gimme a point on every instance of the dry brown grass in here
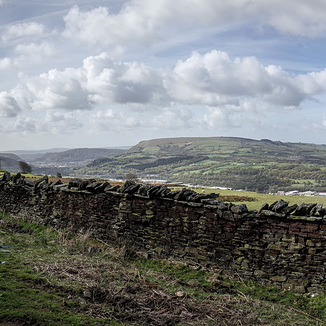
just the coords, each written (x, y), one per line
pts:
(101, 281)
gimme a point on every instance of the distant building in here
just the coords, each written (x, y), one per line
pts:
(292, 193)
(308, 193)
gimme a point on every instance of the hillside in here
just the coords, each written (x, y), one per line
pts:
(239, 163)
(9, 162)
(33, 155)
(50, 162)
(80, 156)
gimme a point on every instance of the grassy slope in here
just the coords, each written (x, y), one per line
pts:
(255, 200)
(51, 278)
(222, 161)
(78, 155)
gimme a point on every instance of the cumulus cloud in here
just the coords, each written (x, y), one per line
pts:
(146, 21)
(226, 86)
(55, 123)
(217, 117)
(61, 123)
(312, 83)
(120, 82)
(22, 97)
(99, 80)
(227, 117)
(99, 26)
(21, 125)
(110, 120)
(215, 79)
(8, 105)
(58, 90)
(33, 53)
(23, 30)
(174, 118)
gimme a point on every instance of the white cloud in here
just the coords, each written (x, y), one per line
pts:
(232, 89)
(5, 63)
(8, 105)
(55, 123)
(24, 29)
(99, 26)
(33, 53)
(58, 90)
(55, 79)
(22, 97)
(147, 22)
(296, 17)
(109, 120)
(61, 123)
(215, 79)
(22, 125)
(312, 83)
(216, 117)
(224, 118)
(99, 80)
(107, 115)
(120, 82)
(174, 118)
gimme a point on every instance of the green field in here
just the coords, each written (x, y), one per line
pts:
(262, 166)
(257, 200)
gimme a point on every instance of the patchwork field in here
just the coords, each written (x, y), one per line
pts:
(255, 165)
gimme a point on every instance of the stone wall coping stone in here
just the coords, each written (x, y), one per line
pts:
(306, 218)
(273, 214)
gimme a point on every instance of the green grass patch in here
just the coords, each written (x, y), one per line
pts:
(50, 277)
(255, 201)
(27, 298)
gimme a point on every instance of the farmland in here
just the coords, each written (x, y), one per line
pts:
(238, 163)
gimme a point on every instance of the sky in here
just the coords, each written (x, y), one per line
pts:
(95, 73)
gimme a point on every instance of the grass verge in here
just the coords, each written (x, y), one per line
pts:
(63, 278)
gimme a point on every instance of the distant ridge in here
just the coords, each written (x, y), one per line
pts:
(9, 161)
(241, 163)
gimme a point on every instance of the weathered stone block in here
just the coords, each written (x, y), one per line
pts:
(278, 278)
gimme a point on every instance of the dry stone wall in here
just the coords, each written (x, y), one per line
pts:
(280, 245)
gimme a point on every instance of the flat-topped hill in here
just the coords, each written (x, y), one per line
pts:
(239, 163)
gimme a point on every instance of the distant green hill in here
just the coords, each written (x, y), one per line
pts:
(257, 165)
(78, 155)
